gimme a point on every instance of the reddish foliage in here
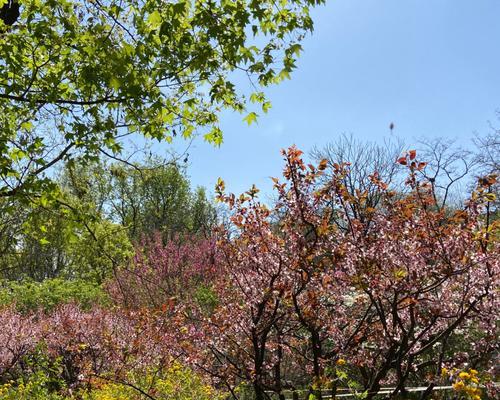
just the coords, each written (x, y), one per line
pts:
(307, 282)
(163, 274)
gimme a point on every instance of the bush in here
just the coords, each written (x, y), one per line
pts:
(37, 387)
(176, 383)
(46, 295)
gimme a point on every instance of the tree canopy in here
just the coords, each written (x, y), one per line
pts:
(77, 77)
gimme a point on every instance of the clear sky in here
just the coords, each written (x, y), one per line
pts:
(431, 67)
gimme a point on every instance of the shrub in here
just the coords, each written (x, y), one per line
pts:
(38, 386)
(171, 272)
(46, 295)
(175, 383)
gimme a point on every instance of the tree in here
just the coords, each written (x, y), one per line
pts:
(101, 208)
(77, 77)
(281, 315)
(487, 159)
(52, 245)
(451, 169)
(488, 145)
(157, 197)
(426, 277)
(363, 158)
(145, 198)
(49, 241)
(176, 272)
(241, 334)
(393, 296)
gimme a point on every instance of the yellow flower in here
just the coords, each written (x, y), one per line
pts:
(458, 385)
(463, 375)
(470, 390)
(473, 372)
(444, 372)
(340, 361)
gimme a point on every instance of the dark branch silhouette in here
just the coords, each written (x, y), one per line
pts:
(10, 12)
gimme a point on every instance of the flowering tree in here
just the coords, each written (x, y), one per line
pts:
(428, 277)
(281, 314)
(307, 283)
(243, 330)
(165, 273)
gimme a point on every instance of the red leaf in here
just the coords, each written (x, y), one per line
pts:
(401, 160)
(323, 164)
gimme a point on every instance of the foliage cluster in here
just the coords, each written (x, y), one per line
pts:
(28, 296)
(175, 383)
(77, 78)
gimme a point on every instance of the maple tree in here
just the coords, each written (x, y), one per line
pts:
(77, 77)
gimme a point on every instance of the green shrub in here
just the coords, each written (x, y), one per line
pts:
(38, 386)
(35, 372)
(176, 383)
(29, 295)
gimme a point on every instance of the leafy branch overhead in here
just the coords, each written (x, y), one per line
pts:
(77, 76)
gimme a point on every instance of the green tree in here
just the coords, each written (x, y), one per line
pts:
(145, 198)
(50, 243)
(76, 76)
(101, 208)
(12, 215)
(157, 197)
(69, 238)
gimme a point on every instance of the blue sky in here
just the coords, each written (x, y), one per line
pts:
(431, 67)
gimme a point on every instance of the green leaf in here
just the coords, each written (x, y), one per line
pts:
(283, 75)
(44, 242)
(214, 136)
(17, 155)
(28, 125)
(154, 20)
(114, 83)
(266, 106)
(251, 118)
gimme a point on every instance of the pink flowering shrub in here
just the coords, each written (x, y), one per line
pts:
(19, 336)
(143, 331)
(165, 273)
(87, 344)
